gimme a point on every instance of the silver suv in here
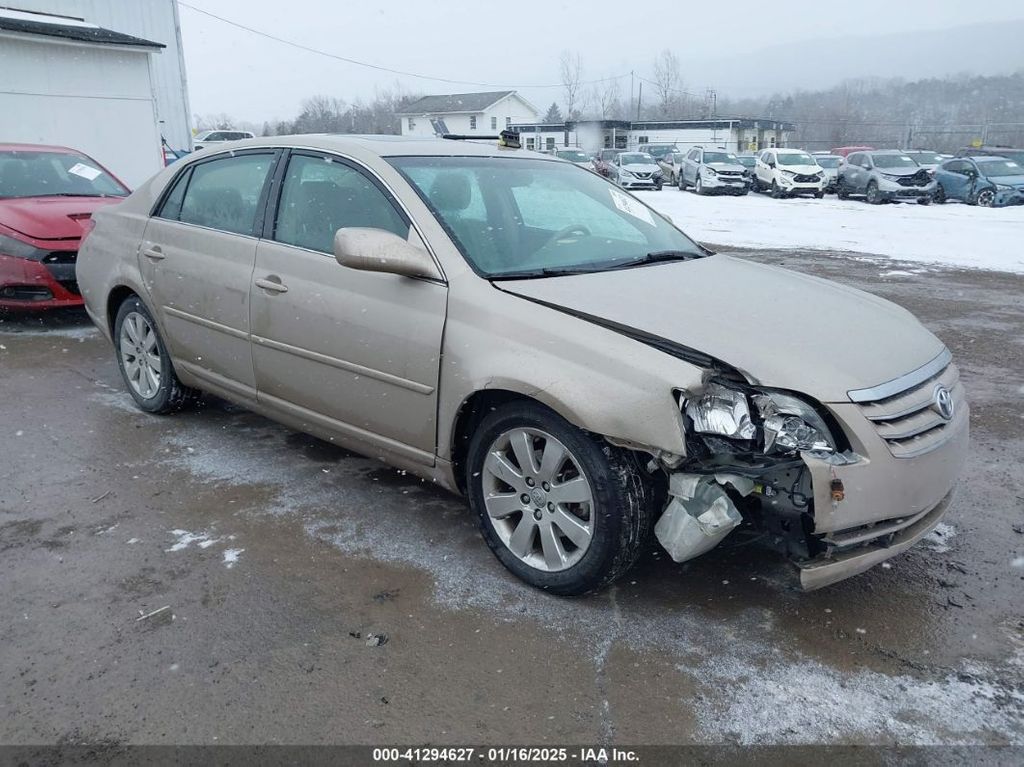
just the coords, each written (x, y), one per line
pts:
(885, 176)
(712, 171)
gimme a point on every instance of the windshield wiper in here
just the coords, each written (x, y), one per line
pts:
(549, 271)
(659, 256)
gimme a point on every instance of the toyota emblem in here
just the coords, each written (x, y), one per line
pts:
(943, 402)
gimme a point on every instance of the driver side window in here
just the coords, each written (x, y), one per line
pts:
(320, 195)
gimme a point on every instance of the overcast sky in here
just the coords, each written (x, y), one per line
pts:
(517, 45)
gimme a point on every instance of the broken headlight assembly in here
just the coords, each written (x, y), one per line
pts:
(779, 423)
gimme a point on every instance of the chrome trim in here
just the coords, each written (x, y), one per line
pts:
(904, 382)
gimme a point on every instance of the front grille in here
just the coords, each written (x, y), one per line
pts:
(731, 173)
(806, 179)
(642, 175)
(909, 421)
(25, 293)
(921, 178)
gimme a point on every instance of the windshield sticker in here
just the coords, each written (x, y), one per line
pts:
(627, 204)
(85, 171)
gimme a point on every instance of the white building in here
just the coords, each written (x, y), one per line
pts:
(739, 134)
(68, 82)
(466, 113)
(155, 20)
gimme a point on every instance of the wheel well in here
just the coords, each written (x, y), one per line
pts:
(114, 300)
(472, 411)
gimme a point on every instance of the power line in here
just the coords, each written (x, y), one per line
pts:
(378, 67)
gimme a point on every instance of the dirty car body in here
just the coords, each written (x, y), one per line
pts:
(519, 330)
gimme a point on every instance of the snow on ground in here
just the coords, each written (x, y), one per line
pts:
(949, 235)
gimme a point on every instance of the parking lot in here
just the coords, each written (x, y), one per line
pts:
(316, 596)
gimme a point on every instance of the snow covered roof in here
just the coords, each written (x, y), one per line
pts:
(454, 103)
(67, 28)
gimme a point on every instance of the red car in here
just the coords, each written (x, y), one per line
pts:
(47, 197)
(844, 151)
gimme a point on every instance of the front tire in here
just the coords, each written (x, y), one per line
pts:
(940, 195)
(144, 362)
(986, 198)
(841, 192)
(873, 196)
(562, 510)
(698, 185)
(776, 192)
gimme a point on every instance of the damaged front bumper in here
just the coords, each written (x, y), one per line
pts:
(834, 514)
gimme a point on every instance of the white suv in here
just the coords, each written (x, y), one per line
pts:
(788, 172)
(208, 137)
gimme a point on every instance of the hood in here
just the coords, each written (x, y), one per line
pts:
(801, 170)
(1014, 181)
(901, 171)
(727, 166)
(780, 328)
(50, 218)
(641, 168)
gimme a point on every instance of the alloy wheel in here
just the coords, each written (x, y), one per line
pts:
(986, 198)
(140, 355)
(539, 501)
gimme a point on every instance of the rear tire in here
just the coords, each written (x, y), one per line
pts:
(619, 514)
(145, 363)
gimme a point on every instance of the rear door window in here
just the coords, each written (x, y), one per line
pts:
(225, 193)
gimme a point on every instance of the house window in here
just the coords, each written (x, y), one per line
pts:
(642, 140)
(508, 122)
(529, 143)
(773, 141)
(412, 124)
(472, 122)
(549, 143)
(494, 123)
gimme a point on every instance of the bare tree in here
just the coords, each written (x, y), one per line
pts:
(667, 80)
(609, 101)
(572, 73)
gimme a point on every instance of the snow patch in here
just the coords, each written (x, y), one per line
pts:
(231, 557)
(950, 235)
(186, 539)
(939, 539)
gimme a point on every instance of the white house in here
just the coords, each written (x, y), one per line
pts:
(68, 82)
(155, 20)
(466, 113)
(738, 134)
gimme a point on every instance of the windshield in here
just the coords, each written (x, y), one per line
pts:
(747, 160)
(829, 162)
(635, 158)
(45, 174)
(710, 157)
(573, 155)
(794, 158)
(996, 168)
(518, 218)
(894, 161)
(932, 158)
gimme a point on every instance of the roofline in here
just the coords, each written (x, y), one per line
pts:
(508, 95)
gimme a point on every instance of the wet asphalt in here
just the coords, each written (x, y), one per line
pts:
(311, 595)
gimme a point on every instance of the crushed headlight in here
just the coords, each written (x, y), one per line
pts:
(784, 424)
(722, 411)
(791, 425)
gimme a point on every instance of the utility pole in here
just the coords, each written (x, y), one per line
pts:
(639, 98)
(630, 88)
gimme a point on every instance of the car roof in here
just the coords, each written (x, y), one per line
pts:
(37, 148)
(388, 145)
(884, 151)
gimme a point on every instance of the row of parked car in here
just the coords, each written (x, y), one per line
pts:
(986, 176)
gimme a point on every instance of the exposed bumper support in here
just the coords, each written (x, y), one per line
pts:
(825, 571)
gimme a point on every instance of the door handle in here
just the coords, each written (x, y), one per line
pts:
(273, 285)
(154, 253)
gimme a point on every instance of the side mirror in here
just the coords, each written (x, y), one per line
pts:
(377, 250)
